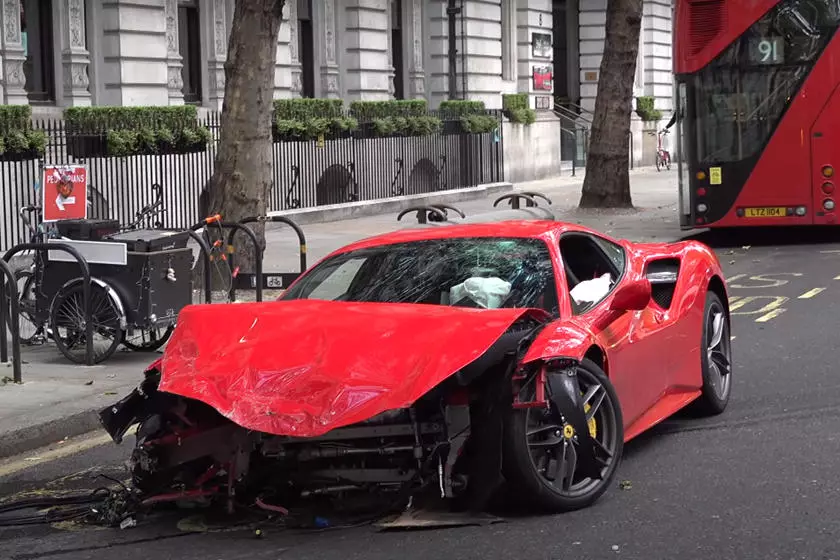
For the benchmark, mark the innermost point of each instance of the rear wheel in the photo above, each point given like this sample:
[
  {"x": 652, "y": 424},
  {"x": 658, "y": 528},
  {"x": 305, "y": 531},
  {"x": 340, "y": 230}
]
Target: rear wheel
[
  {"x": 541, "y": 459},
  {"x": 715, "y": 358},
  {"x": 31, "y": 330},
  {"x": 68, "y": 324}
]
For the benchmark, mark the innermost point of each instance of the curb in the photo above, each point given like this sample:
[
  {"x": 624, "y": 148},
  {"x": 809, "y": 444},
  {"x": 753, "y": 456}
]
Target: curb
[
  {"x": 367, "y": 208},
  {"x": 36, "y": 436}
]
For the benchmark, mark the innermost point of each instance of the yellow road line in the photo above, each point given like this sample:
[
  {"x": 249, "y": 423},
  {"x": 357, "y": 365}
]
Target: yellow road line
[
  {"x": 837, "y": 277},
  {"x": 811, "y": 293},
  {"x": 39, "y": 457},
  {"x": 772, "y": 315},
  {"x": 732, "y": 337}
]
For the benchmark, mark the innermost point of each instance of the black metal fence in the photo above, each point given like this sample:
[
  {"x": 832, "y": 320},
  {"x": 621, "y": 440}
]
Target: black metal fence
[{"x": 305, "y": 174}]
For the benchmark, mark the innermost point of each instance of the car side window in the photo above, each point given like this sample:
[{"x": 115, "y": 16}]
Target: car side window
[
  {"x": 592, "y": 267},
  {"x": 336, "y": 281}
]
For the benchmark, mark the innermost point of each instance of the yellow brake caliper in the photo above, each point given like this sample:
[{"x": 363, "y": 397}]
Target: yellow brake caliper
[{"x": 593, "y": 426}]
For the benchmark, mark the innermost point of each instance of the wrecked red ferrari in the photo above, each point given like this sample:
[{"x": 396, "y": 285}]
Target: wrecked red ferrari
[{"x": 447, "y": 363}]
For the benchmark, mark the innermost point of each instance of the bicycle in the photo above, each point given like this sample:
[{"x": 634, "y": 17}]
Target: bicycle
[{"x": 663, "y": 156}]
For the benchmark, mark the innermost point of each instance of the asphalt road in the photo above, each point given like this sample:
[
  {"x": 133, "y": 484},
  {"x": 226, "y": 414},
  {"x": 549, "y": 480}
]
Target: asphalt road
[{"x": 758, "y": 481}]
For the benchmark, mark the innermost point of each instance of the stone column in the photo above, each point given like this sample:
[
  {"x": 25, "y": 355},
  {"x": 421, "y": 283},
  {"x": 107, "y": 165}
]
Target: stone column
[
  {"x": 391, "y": 70},
  {"x": 329, "y": 68},
  {"x": 416, "y": 74},
  {"x": 174, "y": 80},
  {"x": 366, "y": 46},
  {"x": 14, "y": 80},
  {"x": 294, "y": 56},
  {"x": 217, "y": 54},
  {"x": 534, "y": 16},
  {"x": 75, "y": 58}
]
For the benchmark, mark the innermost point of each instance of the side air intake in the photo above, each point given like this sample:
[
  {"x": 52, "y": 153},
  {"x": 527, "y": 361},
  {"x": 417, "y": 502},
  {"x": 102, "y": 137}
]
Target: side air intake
[{"x": 662, "y": 275}]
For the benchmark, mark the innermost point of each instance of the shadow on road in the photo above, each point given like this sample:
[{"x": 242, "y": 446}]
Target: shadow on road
[{"x": 769, "y": 236}]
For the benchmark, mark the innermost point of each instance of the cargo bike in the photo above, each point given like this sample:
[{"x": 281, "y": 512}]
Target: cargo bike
[{"x": 140, "y": 280}]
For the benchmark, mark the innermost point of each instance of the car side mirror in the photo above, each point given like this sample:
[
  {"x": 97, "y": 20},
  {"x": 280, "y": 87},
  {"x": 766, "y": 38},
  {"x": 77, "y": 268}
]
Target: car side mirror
[{"x": 631, "y": 296}]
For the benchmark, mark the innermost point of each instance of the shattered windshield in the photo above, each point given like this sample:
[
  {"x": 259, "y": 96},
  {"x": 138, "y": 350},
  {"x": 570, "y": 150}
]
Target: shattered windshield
[{"x": 482, "y": 272}]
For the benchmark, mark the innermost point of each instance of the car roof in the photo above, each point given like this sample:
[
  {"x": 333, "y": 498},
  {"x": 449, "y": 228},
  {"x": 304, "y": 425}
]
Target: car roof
[{"x": 534, "y": 229}]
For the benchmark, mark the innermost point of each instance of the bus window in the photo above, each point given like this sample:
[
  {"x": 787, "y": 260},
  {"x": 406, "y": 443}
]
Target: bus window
[{"x": 740, "y": 97}]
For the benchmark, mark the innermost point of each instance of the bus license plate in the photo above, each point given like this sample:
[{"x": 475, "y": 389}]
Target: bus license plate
[{"x": 772, "y": 212}]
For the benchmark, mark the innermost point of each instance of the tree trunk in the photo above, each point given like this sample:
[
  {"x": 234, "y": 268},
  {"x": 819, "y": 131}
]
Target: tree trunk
[
  {"x": 607, "y": 181},
  {"x": 243, "y": 169}
]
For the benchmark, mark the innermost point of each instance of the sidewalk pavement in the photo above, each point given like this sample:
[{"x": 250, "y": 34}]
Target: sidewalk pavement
[{"x": 58, "y": 400}]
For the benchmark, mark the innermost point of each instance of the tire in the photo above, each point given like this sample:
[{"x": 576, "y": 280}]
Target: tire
[
  {"x": 521, "y": 468},
  {"x": 66, "y": 313},
  {"x": 148, "y": 345},
  {"x": 26, "y": 299},
  {"x": 716, "y": 390},
  {"x": 658, "y": 163}
]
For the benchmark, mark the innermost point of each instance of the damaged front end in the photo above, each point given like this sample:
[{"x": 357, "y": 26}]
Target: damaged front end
[{"x": 445, "y": 447}]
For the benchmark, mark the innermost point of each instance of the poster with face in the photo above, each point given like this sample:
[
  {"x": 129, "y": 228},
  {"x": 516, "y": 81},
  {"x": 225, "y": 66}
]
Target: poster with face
[{"x": 64, "y": 189}]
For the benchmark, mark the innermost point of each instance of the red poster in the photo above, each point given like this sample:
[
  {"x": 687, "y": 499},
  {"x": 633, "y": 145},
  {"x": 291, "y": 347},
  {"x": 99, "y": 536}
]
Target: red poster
[{"x": 65, "y": 192}]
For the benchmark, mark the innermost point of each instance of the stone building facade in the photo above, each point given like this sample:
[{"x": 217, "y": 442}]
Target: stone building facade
[{"x": 61, "y": 53}]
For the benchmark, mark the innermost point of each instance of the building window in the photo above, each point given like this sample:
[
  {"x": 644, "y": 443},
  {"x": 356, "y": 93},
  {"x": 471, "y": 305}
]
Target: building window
[
  {"x": 189, "y": 46},
  {"x": 561, "y": 52},
  {"x": 36, "y": 26},
  {"x": 509, "y": 39},
  {"x": 306, "y": 48},
  {"x": 397, "y": 54}
]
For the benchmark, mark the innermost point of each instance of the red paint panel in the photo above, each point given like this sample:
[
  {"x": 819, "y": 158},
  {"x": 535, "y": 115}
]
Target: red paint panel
[
  {"x": 704, "y": 28},
  {"x": 825, "y": 146}
]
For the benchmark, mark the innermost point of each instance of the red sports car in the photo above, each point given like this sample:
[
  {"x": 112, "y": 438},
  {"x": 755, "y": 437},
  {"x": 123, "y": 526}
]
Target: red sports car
[{"x": 451, "y": 361}]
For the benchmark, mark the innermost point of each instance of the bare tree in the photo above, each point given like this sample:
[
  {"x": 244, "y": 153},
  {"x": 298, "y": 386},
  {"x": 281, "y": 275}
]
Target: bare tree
[
  {"x": 607, "y": 181},
  {"x": 243, "y": 170}
]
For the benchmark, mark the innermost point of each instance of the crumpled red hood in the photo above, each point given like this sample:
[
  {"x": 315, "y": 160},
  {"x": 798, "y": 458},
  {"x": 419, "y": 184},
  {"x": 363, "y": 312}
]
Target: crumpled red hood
[{"x": 304, "y": 367}]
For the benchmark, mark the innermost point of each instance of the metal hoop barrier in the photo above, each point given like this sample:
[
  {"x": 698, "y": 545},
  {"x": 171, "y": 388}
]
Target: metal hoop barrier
[
  {"x": 14, "y": 325},
  {"x": 258, "y": 273},
  {"x": 72, "y": 251},
  {"x": 262, "y": 280}
]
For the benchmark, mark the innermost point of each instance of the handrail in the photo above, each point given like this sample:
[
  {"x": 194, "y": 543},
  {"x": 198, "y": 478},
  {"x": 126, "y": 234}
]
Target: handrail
[{"x": 14, "y": 324}]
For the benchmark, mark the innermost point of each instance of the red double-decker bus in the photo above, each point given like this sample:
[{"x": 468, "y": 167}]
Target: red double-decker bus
[{"x": 758, "y": 106}]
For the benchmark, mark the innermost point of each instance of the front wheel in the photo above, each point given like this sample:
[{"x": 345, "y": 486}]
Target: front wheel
[
  {"x": 148, "y": 340},
  {"x": 541, "y": 451},
  {"x": 715, "y": 358}
]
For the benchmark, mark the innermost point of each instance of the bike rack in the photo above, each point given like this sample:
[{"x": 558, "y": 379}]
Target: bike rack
[
  {"x": 431, "y": 212},
  {"x": 248, "y": 281},
  {"x": 235, "y": 226},
  {"x": 205, "y": 248},
  {"x": 14, "y": 324},
  {"x": 528, "y": 196},
  {"x": 73, "y": 252}
]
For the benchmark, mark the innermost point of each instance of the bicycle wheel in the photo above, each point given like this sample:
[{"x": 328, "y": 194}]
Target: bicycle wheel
[
  {"x": 147, "y": 340},
  {"x": 30, "y": 328},
  {"x": 68, "y": 325}
]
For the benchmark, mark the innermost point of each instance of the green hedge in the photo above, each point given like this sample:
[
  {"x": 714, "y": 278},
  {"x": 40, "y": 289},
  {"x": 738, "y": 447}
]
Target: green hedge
[
  {"x": 515, "y": 106},
  {"x": 308, "y": 119},
  {"x": 18, "y": 140},
  {"x": 645, "y": 109},
  {"x": 127, "y": 131},
  {"x": 471, "y": 114},
  {"x": 395, "y": 118}
]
